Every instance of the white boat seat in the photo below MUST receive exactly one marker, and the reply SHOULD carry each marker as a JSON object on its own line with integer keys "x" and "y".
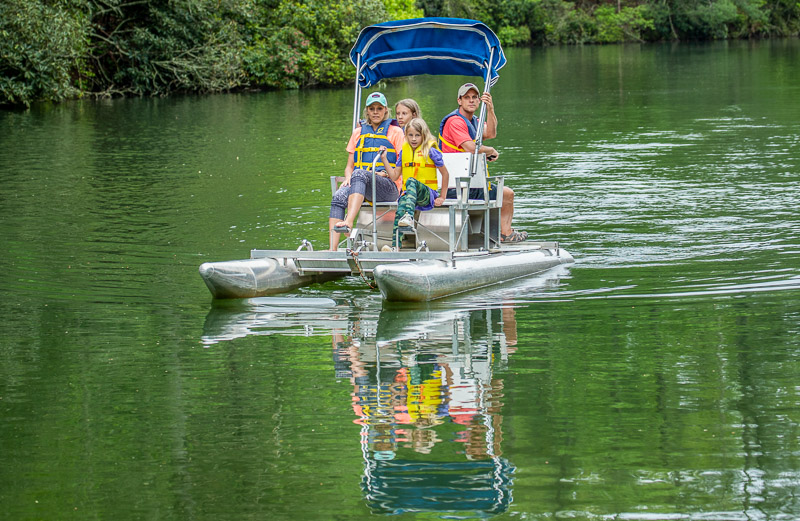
{"x": 458, "y": 166}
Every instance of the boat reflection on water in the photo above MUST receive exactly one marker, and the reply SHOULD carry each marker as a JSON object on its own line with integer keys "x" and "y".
{"x": 232, "y": 319}
{"x": 430, "y": 410}
{"x": 424, "y": 387}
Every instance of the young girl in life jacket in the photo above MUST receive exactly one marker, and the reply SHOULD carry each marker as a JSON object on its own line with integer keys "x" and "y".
{"x": 419, "y": 160}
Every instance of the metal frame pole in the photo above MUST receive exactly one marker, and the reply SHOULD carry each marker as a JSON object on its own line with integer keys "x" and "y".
{"x": 473, "y": 163}
{"x": 482, "y": 117}
{"x": 356, "y": 106}
{"x": 375, "y": 207}
{"x": 357, "y": 103}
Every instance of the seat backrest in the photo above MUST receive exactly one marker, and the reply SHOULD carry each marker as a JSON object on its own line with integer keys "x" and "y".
{"x": 457, "y": 164}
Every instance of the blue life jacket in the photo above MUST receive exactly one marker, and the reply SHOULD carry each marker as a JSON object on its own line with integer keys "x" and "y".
{"x": 369, "y": 143}
{"x": 472, "y": 128}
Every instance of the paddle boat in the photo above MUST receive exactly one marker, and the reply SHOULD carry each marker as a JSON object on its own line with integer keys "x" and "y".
{"x": 452, "y": 248}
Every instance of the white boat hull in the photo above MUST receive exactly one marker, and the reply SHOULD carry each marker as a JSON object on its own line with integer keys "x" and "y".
{"x": 433, "y": 279}
{"x": 256, "y": 277}
{"x": 401, "y": 276}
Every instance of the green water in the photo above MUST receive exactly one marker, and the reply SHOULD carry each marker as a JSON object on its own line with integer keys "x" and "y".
{"x": 657, "y": 378}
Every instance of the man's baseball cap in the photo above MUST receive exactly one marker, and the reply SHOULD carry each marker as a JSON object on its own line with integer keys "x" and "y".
{"x": 468, "y": 87}
{"x": 376, "y": 97}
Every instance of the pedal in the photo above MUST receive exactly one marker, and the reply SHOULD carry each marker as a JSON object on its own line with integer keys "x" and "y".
{"x": 407, "y": 230}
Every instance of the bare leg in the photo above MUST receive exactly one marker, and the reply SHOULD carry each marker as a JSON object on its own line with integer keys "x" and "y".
{"x": 333, "y": 237}
{"x": 506, "y": 211}
{"x": 353, "y": 206}
{"x": 510, "y": 327}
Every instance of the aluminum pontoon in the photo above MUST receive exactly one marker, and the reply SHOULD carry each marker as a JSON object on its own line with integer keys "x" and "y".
{"x": 453, "y": 248}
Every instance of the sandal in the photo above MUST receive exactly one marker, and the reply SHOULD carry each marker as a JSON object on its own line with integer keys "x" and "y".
{"x": 342, "y": 228}
{"x": 514, "y": 236}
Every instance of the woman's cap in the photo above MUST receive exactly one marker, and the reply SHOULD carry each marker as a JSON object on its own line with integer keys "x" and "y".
{"x": 468, "y": 87}
{"x": 376, "y": 97}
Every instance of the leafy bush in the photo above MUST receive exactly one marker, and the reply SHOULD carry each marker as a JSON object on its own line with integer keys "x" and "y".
{"x": 514, "y": 35}
{"x": 564, "y": 23}
{"x": 57, "y": 49}
{"x": 275, "y": 61}
{"x": 692, "y": 19}
{"x": 402, "y": 9}
{"x": 706, "y": 20}
{"x": 784, "y": 17}
{"x": 472, "y": 9}
{"x": 751, "y": 20}
{"x": 311, "y": 42}
{"x": 41, "y": 47}
{"x": 625, "y": 26}
{"x": 160, "y": 47}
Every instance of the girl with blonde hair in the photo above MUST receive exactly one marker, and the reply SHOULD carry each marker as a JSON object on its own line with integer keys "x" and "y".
{"x": 418, "y": 161}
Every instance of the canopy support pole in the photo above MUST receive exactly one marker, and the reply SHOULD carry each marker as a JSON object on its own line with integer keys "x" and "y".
{"x": 473, "y": 165}
{"x": 357, "y": 102}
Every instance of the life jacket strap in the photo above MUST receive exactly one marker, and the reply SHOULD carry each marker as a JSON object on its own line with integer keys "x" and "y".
{"x": 456, "y": 147}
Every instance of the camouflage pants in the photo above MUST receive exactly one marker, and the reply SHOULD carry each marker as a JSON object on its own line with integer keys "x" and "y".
{"x": 416, "y": 194}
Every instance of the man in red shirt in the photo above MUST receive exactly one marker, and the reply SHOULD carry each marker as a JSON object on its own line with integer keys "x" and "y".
{"x": 458, "y": 131}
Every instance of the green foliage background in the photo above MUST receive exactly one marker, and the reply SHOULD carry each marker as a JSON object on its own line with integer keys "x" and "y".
{"x": 59, "y": 49}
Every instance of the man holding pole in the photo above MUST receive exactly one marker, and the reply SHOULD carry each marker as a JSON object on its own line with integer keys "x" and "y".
{"x": 458, "y": 133}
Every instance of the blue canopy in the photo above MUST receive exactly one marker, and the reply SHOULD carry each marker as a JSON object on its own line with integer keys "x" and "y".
{"x": 450, "y": 46}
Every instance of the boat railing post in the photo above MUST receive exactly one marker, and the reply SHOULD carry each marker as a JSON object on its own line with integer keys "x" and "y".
{"x": 451, "y": 238}
{"x": 463, "y": 198}
{"x": 500, "y": 183}
{"x": 463, "y": 190}
{"x": 374, "y": 205}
